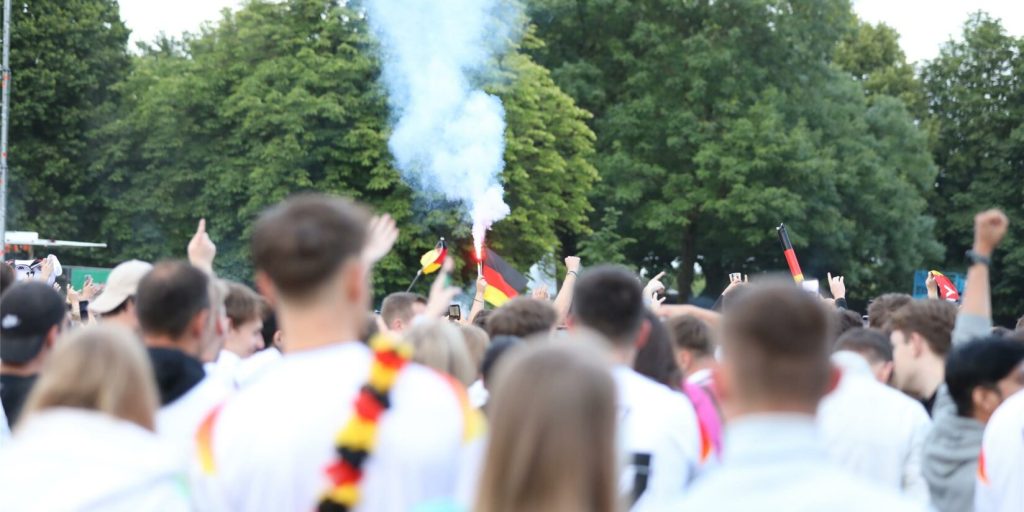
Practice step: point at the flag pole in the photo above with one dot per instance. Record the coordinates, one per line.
(417, 278)
(4, 119)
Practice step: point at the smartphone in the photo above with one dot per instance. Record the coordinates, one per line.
(455, 312)
(735, 276)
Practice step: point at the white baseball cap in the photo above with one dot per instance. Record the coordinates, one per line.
(122, 283)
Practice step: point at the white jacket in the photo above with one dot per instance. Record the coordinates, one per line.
(873, 430)
(74, 459)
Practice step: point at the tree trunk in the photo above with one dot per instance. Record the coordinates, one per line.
(687, 257)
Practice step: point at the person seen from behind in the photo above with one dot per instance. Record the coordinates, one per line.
(116, 303)
(32, 316)
(980, 375)
(174, 308)
(552, 444)
(313, 255)
(870, 429)
(86, 441)
(659, 435)
(774, 371)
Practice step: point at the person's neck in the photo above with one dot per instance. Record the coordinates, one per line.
(314, 326)
(189, 347)
(622, 354)
(28, 369)
(931, 377)
(704, 363)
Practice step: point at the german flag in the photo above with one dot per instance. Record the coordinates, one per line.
(431, 261)
(503, 281)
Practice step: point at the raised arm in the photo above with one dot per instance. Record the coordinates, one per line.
(564, 299)
(975, 316)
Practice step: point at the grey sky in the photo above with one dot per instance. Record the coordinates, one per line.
(923, 24)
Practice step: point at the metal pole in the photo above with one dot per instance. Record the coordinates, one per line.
(5, 114)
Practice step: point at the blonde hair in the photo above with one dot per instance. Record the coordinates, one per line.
(101, 368)
(440, 345)
(552, 440)
(477, 342)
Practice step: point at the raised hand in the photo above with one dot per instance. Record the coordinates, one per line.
(654, 285)
(441, 294)
(989, 229)
(380, 238)
(735, 280)
(837, 285)
(931, 286)
(572, 264)
(201, 250)
(541, 293)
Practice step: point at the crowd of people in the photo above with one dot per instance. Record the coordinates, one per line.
(173, 389)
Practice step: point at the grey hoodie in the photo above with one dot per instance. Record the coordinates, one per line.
(951, 461)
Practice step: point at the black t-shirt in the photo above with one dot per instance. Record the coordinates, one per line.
(14, 390)
(929, 403)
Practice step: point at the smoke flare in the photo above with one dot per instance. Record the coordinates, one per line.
(448, 136)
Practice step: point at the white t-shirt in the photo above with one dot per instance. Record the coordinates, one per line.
(873, 430)
(177, 421)
(271, 443)
(238, 372)
(658, 422)
(1000, 484)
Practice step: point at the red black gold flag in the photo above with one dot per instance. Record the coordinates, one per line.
(432, 260)
(503, 281)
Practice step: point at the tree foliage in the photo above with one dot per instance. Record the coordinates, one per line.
(279, 98)
(715, 121)
(65, 57)
(976, 94)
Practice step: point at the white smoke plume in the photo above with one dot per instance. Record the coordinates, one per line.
(448, 136)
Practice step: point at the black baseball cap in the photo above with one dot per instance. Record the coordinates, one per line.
(27, 312)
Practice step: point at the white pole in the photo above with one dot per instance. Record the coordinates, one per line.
(5, 113)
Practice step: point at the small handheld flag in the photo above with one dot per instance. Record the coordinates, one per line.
(947, 290)
(503, 281)
(432, 260)
(787, 250)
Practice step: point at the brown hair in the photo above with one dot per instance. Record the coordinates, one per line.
(933, 319)
(476, 343)
(883, 306)
(776, 337)
(398, 306)
(691, 333)
(100, 368)
(522, 317)
(242, 304)
(440, 345)
(303, 241)
(552, 445)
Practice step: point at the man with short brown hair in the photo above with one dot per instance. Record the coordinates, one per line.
(400, 308)
(522, 317)
(270, 447)
(775, 370)
(885, 305)
(920, 333)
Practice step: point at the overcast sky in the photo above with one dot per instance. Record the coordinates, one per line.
(923, 24)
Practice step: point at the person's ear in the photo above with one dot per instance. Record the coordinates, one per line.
(917, 344)
(683, 359)
(199, 325)
(885, 372)
(51, 336)
(643, 335)
(266, 288)
(984, 401)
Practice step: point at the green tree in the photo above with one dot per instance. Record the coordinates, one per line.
(872, 54)
(717, 120)
(976, 92)
(65, 56)
(278, 98)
